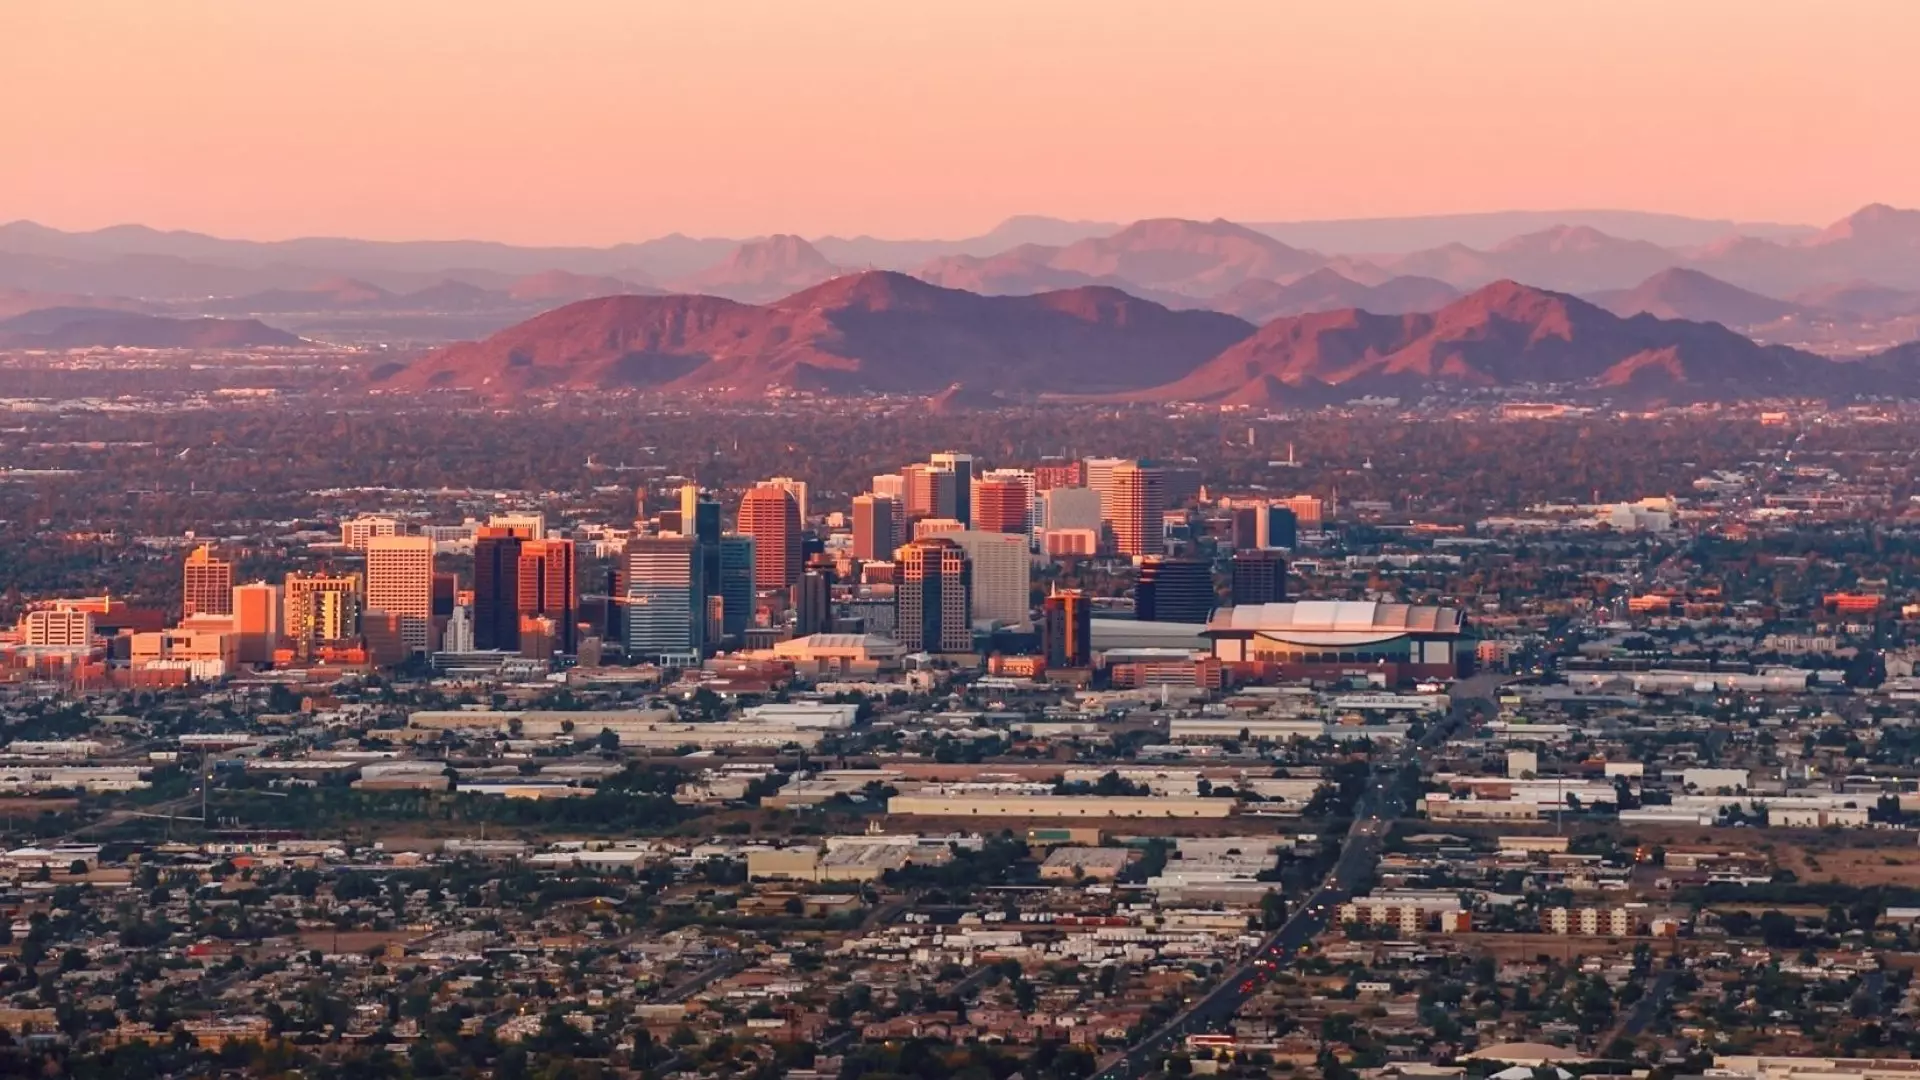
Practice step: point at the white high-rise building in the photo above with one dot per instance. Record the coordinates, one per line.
(1002, 576)
(459, 635)
(893, 486)
(1136, 505)
(1099, 473)
(400, 582)
(795, 488)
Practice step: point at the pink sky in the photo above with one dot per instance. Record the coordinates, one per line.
(596, 121)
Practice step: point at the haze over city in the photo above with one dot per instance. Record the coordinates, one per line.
(936, 541)
(601, 121)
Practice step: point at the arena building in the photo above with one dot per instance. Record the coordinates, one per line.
(1330, 638)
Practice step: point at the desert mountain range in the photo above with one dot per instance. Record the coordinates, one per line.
(1209, 310)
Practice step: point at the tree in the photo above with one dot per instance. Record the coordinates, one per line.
(608, 741)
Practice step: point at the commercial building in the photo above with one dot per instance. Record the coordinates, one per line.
(929, 492)
(1002, 576)
(1259, 577)
(738, 563)
(769, 514)
(548, 587)
(1069, 617)
(57, 628)
(400, 583)
(961, 468)
(1058, 806)
(1136, 507)
(1174, 590)
(1313, 638)
(1099, 480)
(1308, 511)
(202, 654)
(665, 599)
(319, 609)
(527, 526)
(1078, 863)
(496, 588)
(876, 527)
(841, 655)
(934, 593)
(458, 636)
(1278, 526)
(354, 534)
(1071, 508)
(207, 585)
(795, 488)
(1003, 502)
(256, 619)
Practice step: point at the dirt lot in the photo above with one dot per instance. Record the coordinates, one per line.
(1887, 865)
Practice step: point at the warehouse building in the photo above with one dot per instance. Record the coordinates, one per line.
(1058, 806)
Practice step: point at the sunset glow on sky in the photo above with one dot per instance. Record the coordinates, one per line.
(597, 121)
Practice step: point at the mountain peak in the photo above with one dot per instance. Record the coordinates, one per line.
(783, 251)
(1875, 221)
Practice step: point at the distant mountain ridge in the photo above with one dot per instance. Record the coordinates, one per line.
(886, 333)
(96, 328)
(872, 332)
(1504, 334)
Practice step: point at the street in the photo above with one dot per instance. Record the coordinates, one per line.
(1373, 818)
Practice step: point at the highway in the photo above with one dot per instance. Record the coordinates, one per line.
(1373, 817)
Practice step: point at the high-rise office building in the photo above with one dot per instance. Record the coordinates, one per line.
(739, 563)
(703, 524)
(689, 505)
(548, 587)
(458, 636)
(873, 527)
(1173, 590)
(1048, 477)
(207, 583)
(1071, 508)
(930, 492)
(1099, 474)
(256, 620)
(1003, 502)
(961, 466)
(813, 600)
(400, 583)
(1259, 577)
(319, 608)
(933, 590)
(1278, 526)
(1137, 509)
(1069, 616)
(891, 485)
(666, 599)
(1001, 566)
(770, 515)
(795, 488)
(496, 588)
(1243, 527)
